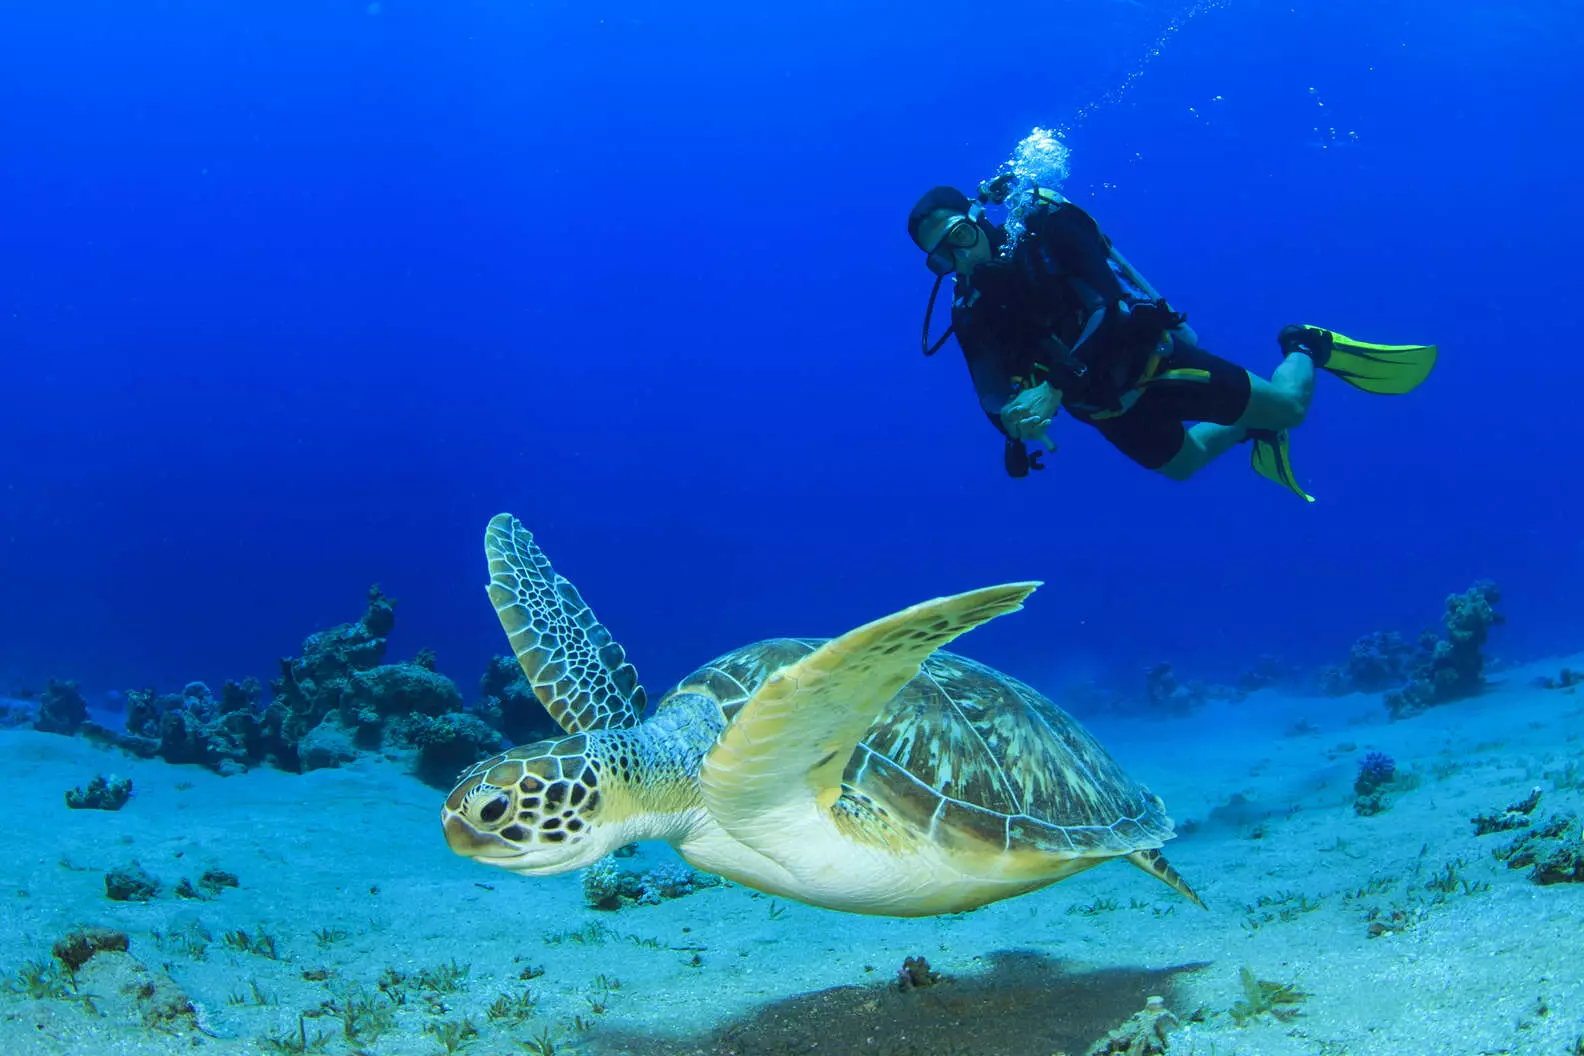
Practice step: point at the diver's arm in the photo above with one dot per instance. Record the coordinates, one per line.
(991, 380)
(1095, 312)
(1120, 263)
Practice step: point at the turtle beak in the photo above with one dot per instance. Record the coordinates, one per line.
(469, 842)
(462, 834)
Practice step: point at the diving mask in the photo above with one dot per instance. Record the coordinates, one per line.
(962, 232)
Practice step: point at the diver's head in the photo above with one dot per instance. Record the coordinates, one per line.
(539, 809)
(952, 231)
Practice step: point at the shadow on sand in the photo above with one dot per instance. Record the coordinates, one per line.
(1021, 1004)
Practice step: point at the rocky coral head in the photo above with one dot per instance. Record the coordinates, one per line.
(538, 809)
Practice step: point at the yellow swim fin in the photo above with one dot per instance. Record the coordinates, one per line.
(1387, 370)
(1272, 461)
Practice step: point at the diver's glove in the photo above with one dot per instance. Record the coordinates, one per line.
(1019, 459)
(1027, 415)
(1143, 322)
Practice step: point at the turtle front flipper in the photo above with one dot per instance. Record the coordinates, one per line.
(779, 764)
(577, 670)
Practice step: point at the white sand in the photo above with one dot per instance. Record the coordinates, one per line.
(1468, 977)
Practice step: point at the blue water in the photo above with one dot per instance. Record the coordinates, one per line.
(294, 297)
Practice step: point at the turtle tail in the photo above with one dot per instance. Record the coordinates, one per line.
(1155, 864)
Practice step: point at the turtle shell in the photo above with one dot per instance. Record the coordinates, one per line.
(966, 753)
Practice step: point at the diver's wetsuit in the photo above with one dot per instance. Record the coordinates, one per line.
(1056, 310)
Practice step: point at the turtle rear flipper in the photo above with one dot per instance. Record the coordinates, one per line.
(1155, 864)
(780, 761)
(577, 670)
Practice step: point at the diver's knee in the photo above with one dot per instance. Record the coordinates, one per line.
(1180, 468)
(1287, 409)
(1297, 409)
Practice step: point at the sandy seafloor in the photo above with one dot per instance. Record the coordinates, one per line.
(356, 856)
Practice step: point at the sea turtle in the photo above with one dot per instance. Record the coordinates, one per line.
(870, 773)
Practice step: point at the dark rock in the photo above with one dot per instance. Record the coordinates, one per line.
(327, 745)
(241, 696)
(100, 794)
(130, 883)
(77, 948)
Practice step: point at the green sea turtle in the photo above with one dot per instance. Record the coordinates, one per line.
(870, 773)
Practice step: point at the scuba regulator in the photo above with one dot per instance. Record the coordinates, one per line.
(991, 192)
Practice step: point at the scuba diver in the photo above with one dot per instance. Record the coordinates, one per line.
(1049, 315)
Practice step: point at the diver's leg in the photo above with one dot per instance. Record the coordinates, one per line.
(1199, 386)
(1283, 401)
(1201, 445)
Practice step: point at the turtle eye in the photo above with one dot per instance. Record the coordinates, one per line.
(494, 810)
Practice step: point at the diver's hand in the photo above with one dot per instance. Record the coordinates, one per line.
(1027, 415)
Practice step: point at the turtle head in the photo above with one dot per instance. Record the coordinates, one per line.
(538, 809)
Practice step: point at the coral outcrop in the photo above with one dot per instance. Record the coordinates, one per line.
(62, 709)
(508, 703)
(101, 793)
(1377, 662)
(607, 885)
(336, 699)
(1453, 667)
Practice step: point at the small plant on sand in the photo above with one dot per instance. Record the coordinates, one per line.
(1281, 1000)
(513, 1009)
(599, 995)
(329, 936)
(393, 984)
(257, 995)
(365, 1016)
(452, 1034)
(541, 1044)
(594, 933)
(295, 1041)
(260, 944)
(443, 979)
(40, 980)
(1450, 880)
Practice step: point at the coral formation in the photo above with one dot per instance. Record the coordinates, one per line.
(1167, 695)
(608, 886)
(1145, 1033)
(101, 794)
(1453, 667)
(79, 946)
(332, 702)
(916, 973)
(1516, 816)
(1266, 672)
(1376, 773)
(447, 744)
(101, 971)
(14, 713)
(62, 709)
(1566, 679)
(1377, 662)
(508, 703)
(1555, 851)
